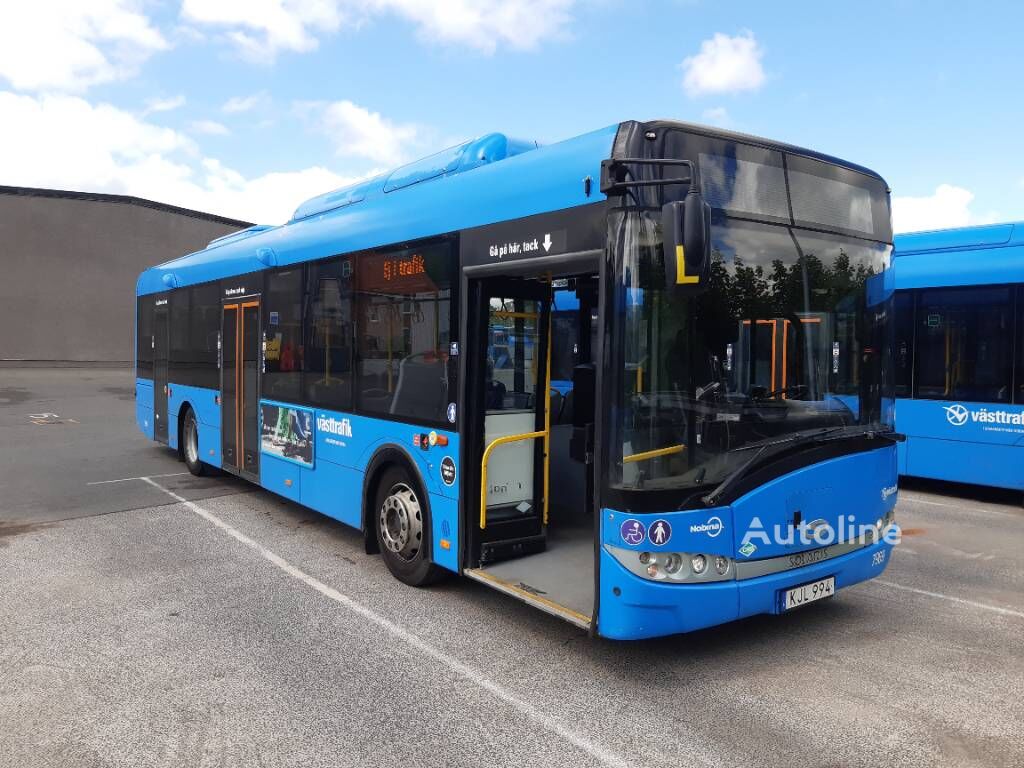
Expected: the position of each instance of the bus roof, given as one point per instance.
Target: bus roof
(480, 182)
(484, 181)
(985, 255)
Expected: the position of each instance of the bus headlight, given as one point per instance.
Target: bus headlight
(673, 563)
(674, 567)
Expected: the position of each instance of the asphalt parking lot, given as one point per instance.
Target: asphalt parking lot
(150, 618)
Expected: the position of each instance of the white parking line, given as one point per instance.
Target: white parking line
(126, 479)
(962, 601)
(596, 751)
(965, 505)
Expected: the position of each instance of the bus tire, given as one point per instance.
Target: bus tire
(189, 442)
(402, 523)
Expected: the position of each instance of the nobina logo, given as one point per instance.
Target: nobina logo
(887, 492)
(333, 426)
(712, 527)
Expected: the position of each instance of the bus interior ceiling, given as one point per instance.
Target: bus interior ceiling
(560, 573)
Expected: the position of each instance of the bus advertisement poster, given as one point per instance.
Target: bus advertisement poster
(287, 432)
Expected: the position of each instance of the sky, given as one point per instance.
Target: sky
(245, 108)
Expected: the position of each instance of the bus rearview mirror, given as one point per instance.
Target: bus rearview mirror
(686, 227)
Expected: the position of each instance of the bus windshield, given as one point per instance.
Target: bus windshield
(791, 336)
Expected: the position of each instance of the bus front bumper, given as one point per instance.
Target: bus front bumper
(633, 608)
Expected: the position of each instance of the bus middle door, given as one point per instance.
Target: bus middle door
(240, 386)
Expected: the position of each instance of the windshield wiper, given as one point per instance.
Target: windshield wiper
(846, 433)
(828, 434)
(740, 472)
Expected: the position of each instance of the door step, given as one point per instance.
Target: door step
(506, 549)
(523, 592)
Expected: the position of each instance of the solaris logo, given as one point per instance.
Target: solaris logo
(956, 414)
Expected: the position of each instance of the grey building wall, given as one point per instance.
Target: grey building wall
(68, 266)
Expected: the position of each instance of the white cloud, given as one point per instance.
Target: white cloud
(949, 206)
(237, 104)
(164, 105)
(716, 116)
(484, 24)
(69, 45)
(724, 65)
(357, 132)
(65, 142)
(209, 127)
(260, 29)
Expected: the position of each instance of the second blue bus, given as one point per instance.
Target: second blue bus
(959, 364)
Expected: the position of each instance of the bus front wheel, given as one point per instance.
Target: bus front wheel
(402, 523)
(190, 444)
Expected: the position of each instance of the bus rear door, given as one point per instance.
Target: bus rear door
(240, 386)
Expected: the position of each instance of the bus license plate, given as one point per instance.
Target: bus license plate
(808, 593)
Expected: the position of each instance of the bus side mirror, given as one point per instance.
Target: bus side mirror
(686, 231)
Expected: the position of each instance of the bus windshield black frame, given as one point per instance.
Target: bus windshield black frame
(791, 336)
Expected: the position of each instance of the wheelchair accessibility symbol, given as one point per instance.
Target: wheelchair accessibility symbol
(633, 532)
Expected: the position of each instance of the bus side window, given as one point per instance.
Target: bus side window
(964, 344)
(282, 332)
(404, 318)
(1019, 373)
(329, 334)
(144, 338)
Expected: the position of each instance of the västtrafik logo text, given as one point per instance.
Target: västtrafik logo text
(958, 415)
(333, 426)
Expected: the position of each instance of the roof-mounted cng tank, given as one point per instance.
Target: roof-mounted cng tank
(458, 159)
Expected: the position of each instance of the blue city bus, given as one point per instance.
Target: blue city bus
(959, 367)
(636, 379)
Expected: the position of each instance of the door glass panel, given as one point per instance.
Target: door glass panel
(229, 385)
(513, 346)
(511, 386)
(250, 394)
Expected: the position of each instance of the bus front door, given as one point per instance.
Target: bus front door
(161, 342)
(511, 321)
(240, 386)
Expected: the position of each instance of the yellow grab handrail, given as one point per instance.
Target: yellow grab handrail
(644, 455)
(483, 465)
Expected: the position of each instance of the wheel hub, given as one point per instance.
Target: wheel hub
(401, 522)
(191, 440)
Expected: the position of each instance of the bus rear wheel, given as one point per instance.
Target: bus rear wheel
(190, 444)
(402, 523)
